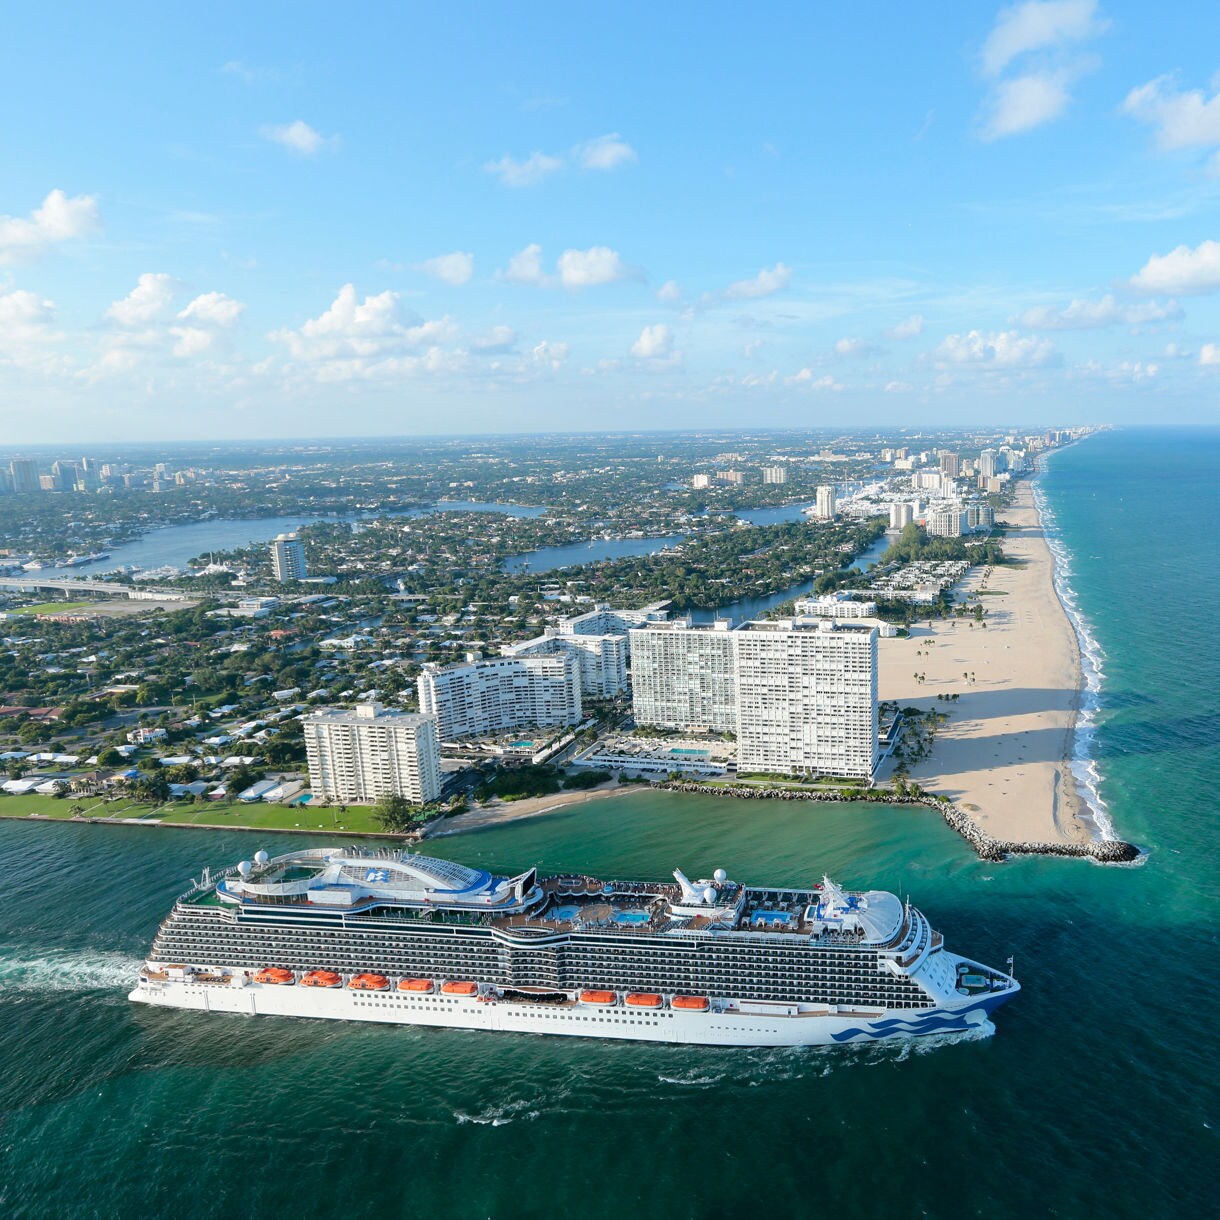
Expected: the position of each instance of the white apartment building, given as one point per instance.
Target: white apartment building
(701, 480)
(683, 676)
(947, 521)
(825, 506)
(731, 476)
(288, 558)
(775, 474)
(807, 698)
(901, 515)
(601, 659)
(980, 516)
(372, 752)
(835, 605)
(490, 696)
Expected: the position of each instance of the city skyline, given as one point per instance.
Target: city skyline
(291, 228)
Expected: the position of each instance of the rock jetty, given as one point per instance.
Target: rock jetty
(1105, 851)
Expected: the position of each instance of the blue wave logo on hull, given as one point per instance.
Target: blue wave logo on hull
(931, 1023)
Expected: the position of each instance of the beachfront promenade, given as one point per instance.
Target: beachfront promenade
(1004, 753)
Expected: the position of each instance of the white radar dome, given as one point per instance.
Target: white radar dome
(244, 868)
(709, 895)
(721, 876)
(261, 858)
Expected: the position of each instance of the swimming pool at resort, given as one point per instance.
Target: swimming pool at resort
(778, 918)
(692, 753)
(521, 745)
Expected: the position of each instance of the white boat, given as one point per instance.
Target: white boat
(712, 962)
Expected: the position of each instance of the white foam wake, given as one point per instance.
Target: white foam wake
(1084, 766)
(69, 971)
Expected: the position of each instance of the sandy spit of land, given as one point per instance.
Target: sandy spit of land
(1004, 754)
(499, 813)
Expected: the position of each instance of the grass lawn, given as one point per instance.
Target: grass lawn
(357, 819)
(53, 807)
(52, 608)
(275, 817)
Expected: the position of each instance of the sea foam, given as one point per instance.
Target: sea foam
(1084, 766)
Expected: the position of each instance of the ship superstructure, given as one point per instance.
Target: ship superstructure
(399, 937)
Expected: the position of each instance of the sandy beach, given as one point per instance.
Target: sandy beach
(1004, 753)
(498, 813)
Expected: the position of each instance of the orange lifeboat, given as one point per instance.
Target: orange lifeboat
(275, 974)
(369, 982)
(416, 985)
(597, 997)
(643, 999)
(456, 988)
(320, 978)
(693, 1003)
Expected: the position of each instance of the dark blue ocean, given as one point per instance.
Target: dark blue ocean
(1095, 1096)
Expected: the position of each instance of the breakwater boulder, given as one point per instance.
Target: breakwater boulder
(1105, 851)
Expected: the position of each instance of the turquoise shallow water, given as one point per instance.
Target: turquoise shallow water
(1095, 1095)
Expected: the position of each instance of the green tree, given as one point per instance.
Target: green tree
(395, 813)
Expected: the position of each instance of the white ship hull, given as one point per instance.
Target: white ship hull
(723, 1025)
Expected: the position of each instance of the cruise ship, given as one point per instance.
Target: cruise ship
(392, 936)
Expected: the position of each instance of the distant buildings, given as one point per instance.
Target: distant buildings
(989, 463)
(288, 558)
(24, 475)
(950, 465)
(480, 697)
(701, 480)
(901, 515)
(825, 505)
(734, 477)
(372, 752)
(775, 474)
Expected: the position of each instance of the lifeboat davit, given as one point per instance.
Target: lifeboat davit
(321, 978)
(693, 1003)
(597, 997)
(275, 974)
(416, 985)
(643, 999)
(457, 988)
(369, 982)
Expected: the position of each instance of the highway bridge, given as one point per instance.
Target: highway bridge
(31, 582)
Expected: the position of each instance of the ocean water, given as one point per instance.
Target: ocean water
(1094, 1095)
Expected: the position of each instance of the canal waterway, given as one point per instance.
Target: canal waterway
(552, 558)
(176, 545)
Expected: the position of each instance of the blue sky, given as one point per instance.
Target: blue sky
(283, 220)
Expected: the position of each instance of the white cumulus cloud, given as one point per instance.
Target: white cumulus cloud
(908, 328)
(605, 152)
(1184, 270)
(1209, 353)
(1026, 102)
(27, 328)
(498, 339)
(1044, 36)
(150, 297)
(1108, 311)
(808, 378)
(768, 281)
(525, 267)
(455, 268)
(670, 292)
(1182, 118)
(655, 343)
(58, 218)
(528, 172)
(213, 309)
(1002, 349)
(298, 137)
(1039, 25)
(853, 346)
(549, 355)
(588, 268)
